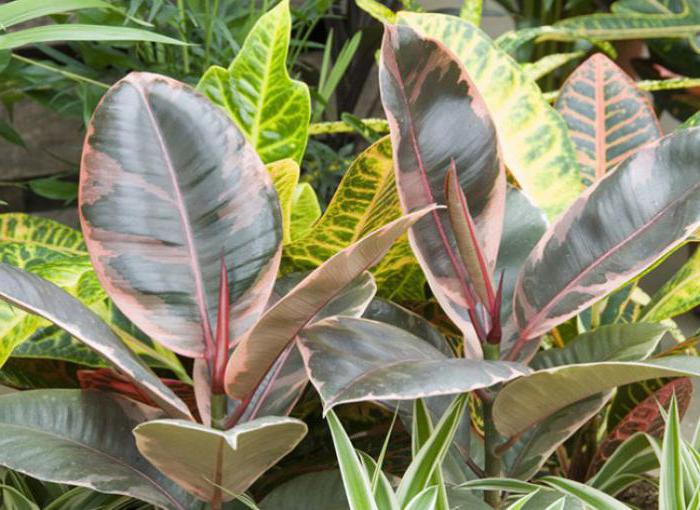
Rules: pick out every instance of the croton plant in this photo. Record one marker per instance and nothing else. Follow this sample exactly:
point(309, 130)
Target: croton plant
point(531, 224)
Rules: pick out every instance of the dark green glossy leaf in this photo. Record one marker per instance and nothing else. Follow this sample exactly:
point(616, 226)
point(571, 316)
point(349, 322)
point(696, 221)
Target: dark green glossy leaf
point(82, 438)
point(313, 491)
point(168, 185)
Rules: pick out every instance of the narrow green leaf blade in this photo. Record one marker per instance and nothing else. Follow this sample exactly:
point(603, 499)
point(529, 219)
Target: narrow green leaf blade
point(355, 478)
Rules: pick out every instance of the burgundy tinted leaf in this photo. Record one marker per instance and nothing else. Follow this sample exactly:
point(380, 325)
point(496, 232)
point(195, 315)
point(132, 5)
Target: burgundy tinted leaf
point(608, 117)
point(41, 297)
point(223, 331)
point(436, 116)
point(468, 243)
point(167, 183)
point(106, 379)
point(613, 232)
point(645, 417)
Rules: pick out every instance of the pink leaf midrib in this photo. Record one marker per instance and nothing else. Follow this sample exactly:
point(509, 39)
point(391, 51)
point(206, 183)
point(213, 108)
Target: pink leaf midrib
point(187, 229)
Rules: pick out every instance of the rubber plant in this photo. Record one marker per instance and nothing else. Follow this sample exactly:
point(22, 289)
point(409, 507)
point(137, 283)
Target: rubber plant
point(184, 231)
point(505, 290)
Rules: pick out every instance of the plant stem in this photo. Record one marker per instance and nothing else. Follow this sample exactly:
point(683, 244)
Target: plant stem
point(218, 411)
point(183, 34)
point(67, 74)
point(213, 12)
point(492, 460)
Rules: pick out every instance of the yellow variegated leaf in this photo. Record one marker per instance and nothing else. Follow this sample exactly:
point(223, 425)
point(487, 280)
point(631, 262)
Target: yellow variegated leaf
point(25, 238)
point(534, 141)
point(305, 210)
point(57, 253)
point(285, 176)
point(365, 200)
point(267, 105)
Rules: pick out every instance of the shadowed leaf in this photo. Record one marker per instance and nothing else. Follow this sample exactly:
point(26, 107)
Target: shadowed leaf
point(82, 438)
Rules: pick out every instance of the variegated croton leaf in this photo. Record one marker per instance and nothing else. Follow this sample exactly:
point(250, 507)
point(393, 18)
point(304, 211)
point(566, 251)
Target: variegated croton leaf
point(257, 93)
point(169, 186)
point(608, 117)
point(437, 119)
point(646, 417)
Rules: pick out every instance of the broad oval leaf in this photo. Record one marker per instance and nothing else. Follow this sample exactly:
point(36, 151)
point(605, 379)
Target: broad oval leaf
point(322, 490)
point(609, 118)
point(270, 108)
point(437, 118)
point(614, 342)
point(168, 185)
point(352, 360)
point(614, 231)
point(534, 141)
point(257, 352)
point(82, 438)
point(38, 296)
point(366, 199)
point(202, 459)
point(533, 397)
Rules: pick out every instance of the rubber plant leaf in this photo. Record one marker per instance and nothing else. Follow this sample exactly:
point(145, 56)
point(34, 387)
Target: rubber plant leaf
point(83, 438)
point(437, 118)
point(280, 325)
point(168, 186)
point(535, 144)
point(655, 196)
point(533, 397)
point(41, 297)
point(202, 459)
point(355, 360)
